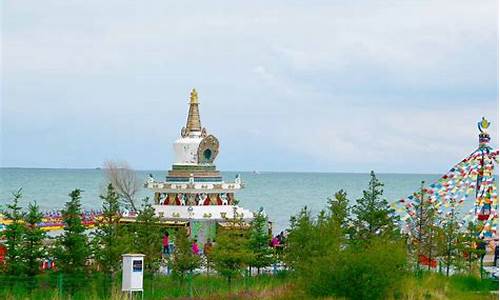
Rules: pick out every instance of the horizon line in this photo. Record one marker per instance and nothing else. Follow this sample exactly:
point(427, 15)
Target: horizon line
point(243, 171)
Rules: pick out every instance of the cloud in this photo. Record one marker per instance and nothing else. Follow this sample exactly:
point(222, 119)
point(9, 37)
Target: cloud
point(322, 85)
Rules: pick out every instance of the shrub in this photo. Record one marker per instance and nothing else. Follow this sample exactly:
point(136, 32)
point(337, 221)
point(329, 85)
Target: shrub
point(371, 272)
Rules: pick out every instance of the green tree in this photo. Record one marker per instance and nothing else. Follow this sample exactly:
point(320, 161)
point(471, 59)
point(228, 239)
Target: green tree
point(338, 207)
point(468, 246)
point(231, 253)
point(299, 242)
point(259, 242)
point(14, 237)
point(147, 239)
point(314, 248)
point(373, 215)
point(72, 248)
point(110, 239)
point(422, 230)
point(34, 248)
point(183, 261)
point(326, 244)
point(430, 246)
point(326, 264)
point(449, 238)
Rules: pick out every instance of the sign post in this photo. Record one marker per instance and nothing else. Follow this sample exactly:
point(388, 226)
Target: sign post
point(133, 271)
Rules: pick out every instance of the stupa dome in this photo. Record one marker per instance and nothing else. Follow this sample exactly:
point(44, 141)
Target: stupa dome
point(195, 146)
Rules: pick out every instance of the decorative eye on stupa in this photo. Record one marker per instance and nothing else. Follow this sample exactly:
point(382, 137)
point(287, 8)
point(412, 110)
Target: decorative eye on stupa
point(208, 150)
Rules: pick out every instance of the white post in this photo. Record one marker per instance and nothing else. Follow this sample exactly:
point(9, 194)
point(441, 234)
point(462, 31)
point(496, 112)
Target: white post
point(133, 271)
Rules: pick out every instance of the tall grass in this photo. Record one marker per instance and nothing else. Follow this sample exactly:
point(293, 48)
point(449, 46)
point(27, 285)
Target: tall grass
point(437, 286)
point(281, 286)
point(98, 287)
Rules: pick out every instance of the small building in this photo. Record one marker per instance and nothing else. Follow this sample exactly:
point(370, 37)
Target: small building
point(194, 193)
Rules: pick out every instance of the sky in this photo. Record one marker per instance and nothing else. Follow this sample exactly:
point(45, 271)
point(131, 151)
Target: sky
point(323, 86)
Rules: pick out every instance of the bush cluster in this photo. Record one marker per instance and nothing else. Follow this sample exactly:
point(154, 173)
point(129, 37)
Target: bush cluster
point(354, 252)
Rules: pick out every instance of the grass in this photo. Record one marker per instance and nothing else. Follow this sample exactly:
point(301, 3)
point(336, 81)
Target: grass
point(155, 287)
point(429, 286)
point(207, 287)
point(437, 286)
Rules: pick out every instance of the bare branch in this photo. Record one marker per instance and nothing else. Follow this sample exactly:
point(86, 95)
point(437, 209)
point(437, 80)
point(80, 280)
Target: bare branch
point(125, 182)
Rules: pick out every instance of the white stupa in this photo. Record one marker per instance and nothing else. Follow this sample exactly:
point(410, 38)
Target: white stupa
point(194, 193)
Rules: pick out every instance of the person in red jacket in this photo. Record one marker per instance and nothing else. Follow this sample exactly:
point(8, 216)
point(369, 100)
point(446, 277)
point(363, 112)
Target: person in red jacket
point(195, 248)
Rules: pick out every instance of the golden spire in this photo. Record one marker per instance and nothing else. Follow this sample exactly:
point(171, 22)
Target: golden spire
point(193, 120)
point(193, 99)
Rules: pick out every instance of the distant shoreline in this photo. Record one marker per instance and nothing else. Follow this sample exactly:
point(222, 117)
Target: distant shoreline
point(261, 172)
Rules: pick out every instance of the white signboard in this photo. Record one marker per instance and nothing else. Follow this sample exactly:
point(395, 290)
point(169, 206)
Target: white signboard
point(133, 270)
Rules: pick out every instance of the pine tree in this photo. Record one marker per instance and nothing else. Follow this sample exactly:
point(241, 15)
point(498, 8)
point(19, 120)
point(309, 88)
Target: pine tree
point(259, 242)
point(449, 238)
point(301, 230)
point(315, 245)
point(468, 245)
point(421, 226)
point(72, 248)
point(148, 236)
point(110, 239)
point(373, 215)
point(430, 243)
point(14, 235)
point(231, 253)
point(338, 207)
point(184, 261)
point(34, 249)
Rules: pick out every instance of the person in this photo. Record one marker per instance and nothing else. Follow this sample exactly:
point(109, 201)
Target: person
point(207, 247)
point(165, 243)
point(275, 242)
point(496, 254)
point(482, 246)
point(195, 248)
point(281, 238)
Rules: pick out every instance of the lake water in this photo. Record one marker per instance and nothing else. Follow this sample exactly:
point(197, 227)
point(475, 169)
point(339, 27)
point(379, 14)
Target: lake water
point(281, 194)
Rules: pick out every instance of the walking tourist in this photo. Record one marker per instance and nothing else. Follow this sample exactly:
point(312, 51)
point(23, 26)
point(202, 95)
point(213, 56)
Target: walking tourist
point(195, 248)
